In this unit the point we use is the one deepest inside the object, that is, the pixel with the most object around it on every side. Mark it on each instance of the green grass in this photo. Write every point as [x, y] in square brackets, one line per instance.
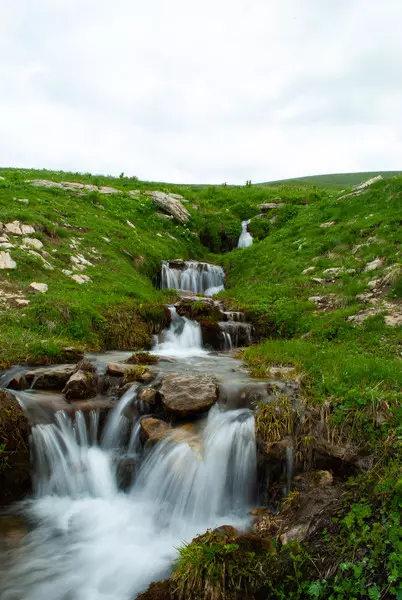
[338, 180]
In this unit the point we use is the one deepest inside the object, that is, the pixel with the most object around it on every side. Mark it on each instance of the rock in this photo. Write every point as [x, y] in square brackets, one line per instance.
[372, 266]
[366, 297]
[367, 183]
[80, 279]
[374, 284]
[32, 243]
[82, 384]
[158, 590]
[148, 396]
[169, 204]
[322, 478]
[40, 288]
[73, 186]
[15, 480]
[153, 430]
[282, 372]
[329, 224]
[18, 228]
[184, 396]
[117, 369]
[393, 320]
[138, 373]
[6, 245]
[6, 262]
[308, 270]
[50, 378]
[328, 302]
[4, 238]
[334, 272]
[130, 224]
[296, 533]
[270, 205]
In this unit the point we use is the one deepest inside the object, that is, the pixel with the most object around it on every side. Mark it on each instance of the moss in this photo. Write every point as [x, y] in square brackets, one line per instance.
[143, 358]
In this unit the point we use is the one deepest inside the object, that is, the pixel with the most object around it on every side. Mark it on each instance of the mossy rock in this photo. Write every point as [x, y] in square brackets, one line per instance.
[14, 449]
[159, 590]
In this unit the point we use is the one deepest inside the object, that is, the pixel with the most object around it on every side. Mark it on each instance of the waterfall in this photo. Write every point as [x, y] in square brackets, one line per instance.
[235, 333]
[182, 338]
[245, 238]
[192, 276]
[92, 541]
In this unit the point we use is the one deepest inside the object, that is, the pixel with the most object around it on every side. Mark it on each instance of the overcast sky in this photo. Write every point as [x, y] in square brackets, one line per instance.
[198, 91]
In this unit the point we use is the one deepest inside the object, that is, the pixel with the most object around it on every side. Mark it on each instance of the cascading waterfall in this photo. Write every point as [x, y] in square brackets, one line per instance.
[192, 276]
[245, 239]
[94, 542]
[182, 338]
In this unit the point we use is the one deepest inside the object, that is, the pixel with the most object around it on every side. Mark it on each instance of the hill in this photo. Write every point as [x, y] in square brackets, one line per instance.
[337, 180]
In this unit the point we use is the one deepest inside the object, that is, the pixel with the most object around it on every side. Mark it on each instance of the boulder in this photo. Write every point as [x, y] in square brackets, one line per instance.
[32, 243]
[270, 205]
[15, 478]
[80, 279]
[328, 224]
[187, 396]
[373, 265]
[50, 378]
[117, 369]
[6, 262]
[17, 228]
[38, 288]
[171, 205]
[82, 384]
[153, 430]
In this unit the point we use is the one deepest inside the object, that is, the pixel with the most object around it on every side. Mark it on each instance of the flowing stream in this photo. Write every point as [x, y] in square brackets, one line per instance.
[92, 538]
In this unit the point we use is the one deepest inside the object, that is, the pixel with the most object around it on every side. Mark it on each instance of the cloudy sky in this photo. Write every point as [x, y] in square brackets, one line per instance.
[201, 90]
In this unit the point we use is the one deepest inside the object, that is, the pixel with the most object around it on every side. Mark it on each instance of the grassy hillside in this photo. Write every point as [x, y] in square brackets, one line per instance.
[337, 180]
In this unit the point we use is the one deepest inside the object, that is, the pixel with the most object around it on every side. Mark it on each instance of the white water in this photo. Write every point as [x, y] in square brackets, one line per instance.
[197, 277]
[92, 541]
[183, 338]
[245, 238]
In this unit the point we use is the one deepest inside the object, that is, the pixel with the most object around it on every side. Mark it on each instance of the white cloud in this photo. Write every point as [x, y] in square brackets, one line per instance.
[211, 91]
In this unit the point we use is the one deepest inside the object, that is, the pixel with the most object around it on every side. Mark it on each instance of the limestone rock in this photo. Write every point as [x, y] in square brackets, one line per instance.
[117, 369]
[372, 266]
[328, 224]
[73, 186]
[32, 243]
[308, 270]
[82, 384]
[17, 228]
[334, 272]
[184, 395]
[50, 378]
[171, 205]
[270, 205]
[80, 279]
[6, 262]
[39, 288]
[6, 245]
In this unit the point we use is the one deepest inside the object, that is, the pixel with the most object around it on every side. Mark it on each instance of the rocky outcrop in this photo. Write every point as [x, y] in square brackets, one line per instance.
[269, 206]
[14, 449]
[38, 288]
[170, 204]
[187, 396]
[17, 228]
[73, 186]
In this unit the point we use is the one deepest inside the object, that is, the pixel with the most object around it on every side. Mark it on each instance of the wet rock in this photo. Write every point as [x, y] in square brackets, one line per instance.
[38, 288]
[184, 396]
[138, 373]
[153, 430]
[50, 378]
[194, 307]
[159, 590]
[117, 369]
[6, 262]
[15, 478]
[82, 384]
[170, 204]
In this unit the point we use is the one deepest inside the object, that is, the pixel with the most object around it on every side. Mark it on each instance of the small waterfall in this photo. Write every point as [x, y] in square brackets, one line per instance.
[192, 276]
[235, 334]
[93, 541]
[195, 490]
[183, 337]
[245, 238]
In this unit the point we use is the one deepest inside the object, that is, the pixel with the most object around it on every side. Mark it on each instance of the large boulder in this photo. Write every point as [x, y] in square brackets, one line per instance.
[6, 262]
[15, 478]
[187, 396]
[50, 378]
[170, 204]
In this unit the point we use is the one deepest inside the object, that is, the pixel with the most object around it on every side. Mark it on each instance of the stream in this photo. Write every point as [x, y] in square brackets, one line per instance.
[85, 536]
